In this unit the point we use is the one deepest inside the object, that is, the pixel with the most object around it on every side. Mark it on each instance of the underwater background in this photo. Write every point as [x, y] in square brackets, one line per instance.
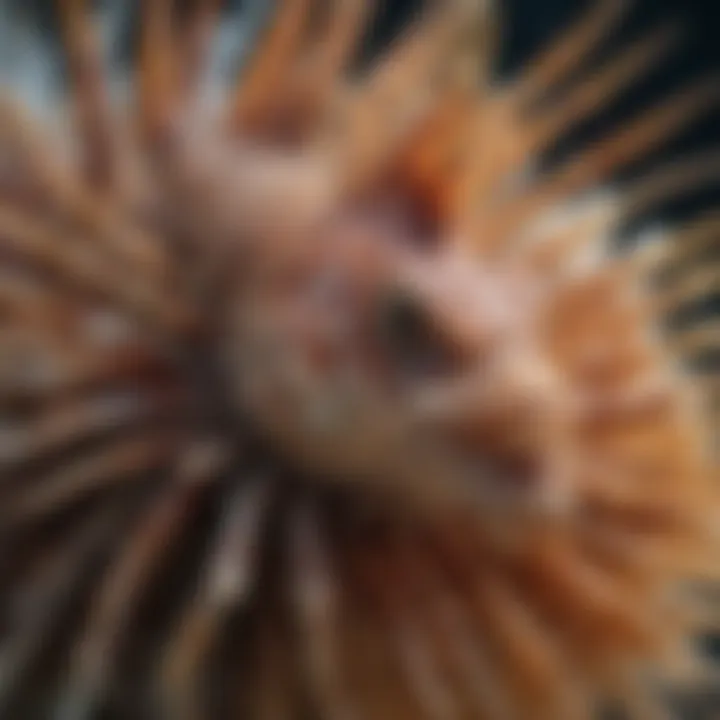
[31, 62]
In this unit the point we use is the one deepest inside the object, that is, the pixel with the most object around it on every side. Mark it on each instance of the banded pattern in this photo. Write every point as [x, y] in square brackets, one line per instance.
[501, 505]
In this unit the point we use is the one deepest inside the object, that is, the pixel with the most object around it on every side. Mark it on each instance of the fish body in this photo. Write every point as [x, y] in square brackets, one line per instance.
[319, 397]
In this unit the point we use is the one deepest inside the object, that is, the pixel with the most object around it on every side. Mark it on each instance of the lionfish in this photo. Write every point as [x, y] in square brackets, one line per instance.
[322, 399]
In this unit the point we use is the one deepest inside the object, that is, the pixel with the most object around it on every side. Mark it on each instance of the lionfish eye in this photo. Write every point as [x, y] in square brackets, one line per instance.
[408, 333]
[403, 321]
